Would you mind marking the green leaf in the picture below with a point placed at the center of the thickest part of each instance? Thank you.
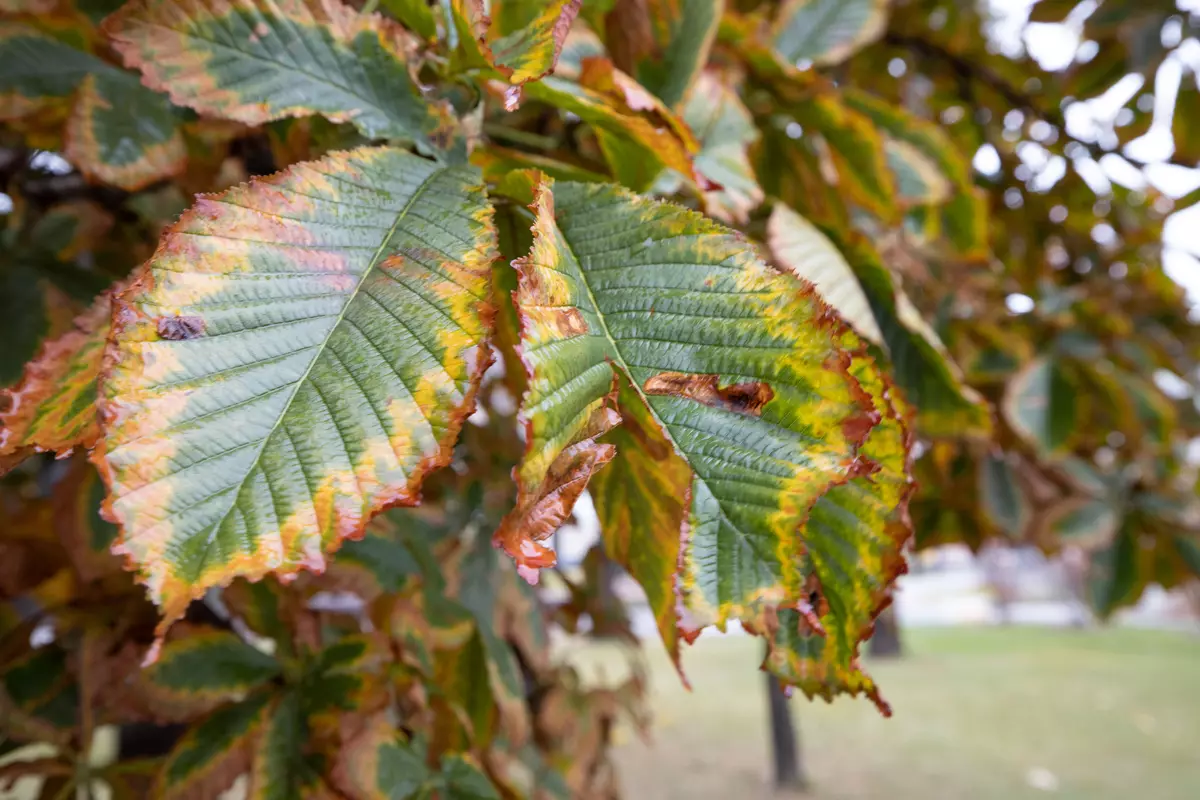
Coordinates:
(918, 180)
(121, 133)
(257, 61)
(963, 218)
(27, 81)
(823, 32)
(1087, 522)
(1113, 574)
(211, 663)
(24, 315)
(850, 271)
(1185, 122)
(725, 130)
(669, 42)
(1000, 495)
(462, 779)
(275, 771)
(747, 376)
(215, 751)
(856, 150)
(416, 15)
(300, 354)
(1040, 404)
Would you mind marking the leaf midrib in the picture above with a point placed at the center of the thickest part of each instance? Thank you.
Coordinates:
(746, 538)
(320, 350)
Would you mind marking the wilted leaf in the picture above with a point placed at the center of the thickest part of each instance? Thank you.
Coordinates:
(822, 32)
(800, 248)
(725, 130)
(300, 354)
(255, 61)
(638, 134)
(856, 149)
(124, 134)
(851, 271)
(214, 751)
(963, 218)
(522, 39)
(748, 376)
(664, 44)
(53, 408)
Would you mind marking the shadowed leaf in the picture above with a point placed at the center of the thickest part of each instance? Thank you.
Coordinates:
(851, 272)
(664, 43)
(214, 752)
(341, 309)
(725, 130)
(1040, 405)
(822, 32)
(121, 133)
(211, 663)
(53, 408)
(255, 60)
(27, 81)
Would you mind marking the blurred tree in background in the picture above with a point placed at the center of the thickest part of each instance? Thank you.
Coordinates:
(994, 353)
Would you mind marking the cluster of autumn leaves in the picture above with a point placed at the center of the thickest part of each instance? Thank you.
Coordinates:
(274, 368)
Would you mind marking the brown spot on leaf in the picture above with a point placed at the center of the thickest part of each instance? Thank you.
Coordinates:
(743, 398)
(178, 328)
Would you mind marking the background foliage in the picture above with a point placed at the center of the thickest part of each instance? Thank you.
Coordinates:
(936, 318)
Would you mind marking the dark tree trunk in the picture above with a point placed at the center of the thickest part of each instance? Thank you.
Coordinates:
(885, 642)
(785, 744)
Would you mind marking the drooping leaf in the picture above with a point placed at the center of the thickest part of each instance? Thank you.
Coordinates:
(300, 353)
(639, 136)
(850, 271)
(749, 378)
(725, 131)
(214, 752)
(1185, 121)
(254, 61)
(856, 150)
(122, 133)
(664, 44)
(963, 218)
(1113, 574)
(211, 663)
(1001, 496)
(861, 527)
(823, 32)
(918, 180)
(53, 408)
(1040, 404)
(799, 247)
(522, 39)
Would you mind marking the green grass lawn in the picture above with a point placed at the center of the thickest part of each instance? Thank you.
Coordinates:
(1110, 713)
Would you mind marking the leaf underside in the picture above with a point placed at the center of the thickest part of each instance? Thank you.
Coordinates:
(301, 352)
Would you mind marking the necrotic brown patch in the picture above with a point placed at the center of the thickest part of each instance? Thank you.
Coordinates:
(177, 328)
(743, 398)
